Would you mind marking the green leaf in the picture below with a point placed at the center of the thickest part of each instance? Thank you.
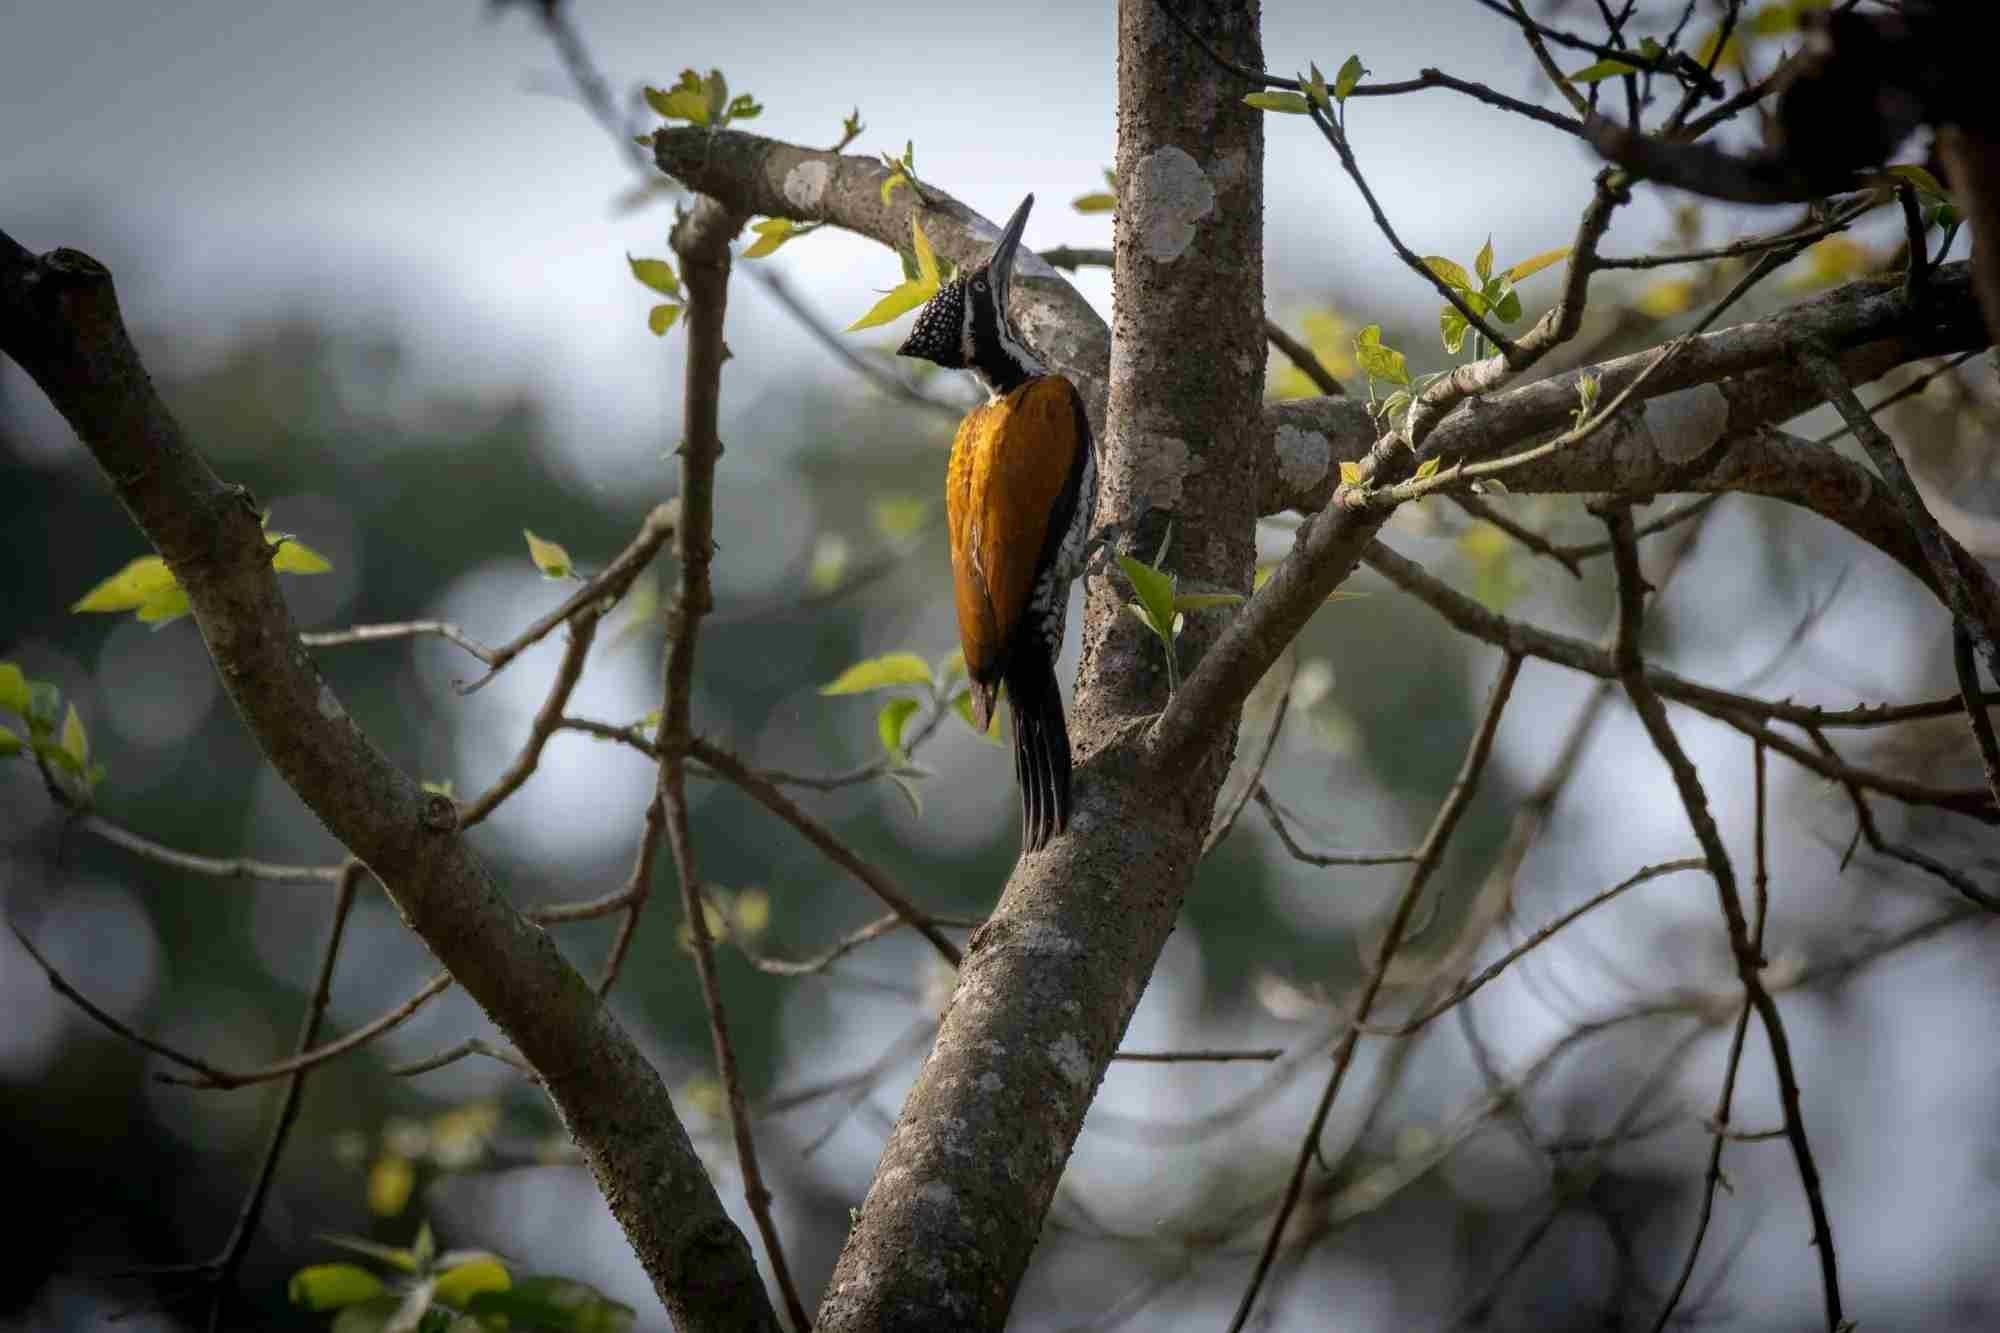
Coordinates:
(295, 557)
(333, 1286)
(687, 100)
(141, 581)
(900, 516)
(1293, 104)
(1349, 77)
(75, 743)
(889, 724)
(890, 182)
(549, 557)
(1603, 69)
(1098, 201)
(661, 318)
(457, 1286)
(1926, 183)
(899, 301)
(1155, 589)
(439, 787)
(1350, 473)
(169, 606)
(1428, 468)
(1452, 273)
(655, 273)
(879, 673)
(771, 233)
(424, 1248)
(961, 704)
(1382, 362)
(1315, 88)
(13, 689)
(553, 1303)
(717, 89)
(743, 107)
(1536, 263)
(10, 744)
(1503, 300)
(1452, 328)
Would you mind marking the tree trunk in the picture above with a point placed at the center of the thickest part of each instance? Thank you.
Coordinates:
(1050, 982)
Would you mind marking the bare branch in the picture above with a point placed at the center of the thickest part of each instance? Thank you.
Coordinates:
(221, 867)
(405, 629)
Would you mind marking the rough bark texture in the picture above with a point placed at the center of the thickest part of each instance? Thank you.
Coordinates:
(59, 319)
(1052, 979)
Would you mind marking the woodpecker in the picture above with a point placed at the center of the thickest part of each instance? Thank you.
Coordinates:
(1020, 494)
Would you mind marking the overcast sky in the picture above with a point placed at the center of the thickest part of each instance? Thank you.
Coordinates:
(418, 164)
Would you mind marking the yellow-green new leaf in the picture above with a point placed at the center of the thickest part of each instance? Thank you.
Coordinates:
(899, 301)
(295, 557)
(141, 581)
(771, 233)
(1603, 69)
(13, 689)
(1428, 468)
(889, 724)
(333, 1286)
(1350, 473)
(75, 743)
(169, 606)
(1450, 271)
(1536, 263)
(661, 318)
(549, 557)
(1349, 77)
(1293, 104)
(1482, 263)
(457, 1286)
(1156, 591)
(880, 673)
(1926, 183)
(1098, 201)
(962, 705)
(1383, 362)
(687, 100)
(1316, 89)
(657, 274)
(900, 516)
(10, 744)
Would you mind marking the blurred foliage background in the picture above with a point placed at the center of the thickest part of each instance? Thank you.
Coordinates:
(416, 478)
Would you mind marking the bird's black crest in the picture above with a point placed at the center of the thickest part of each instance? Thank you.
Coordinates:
(940, 329)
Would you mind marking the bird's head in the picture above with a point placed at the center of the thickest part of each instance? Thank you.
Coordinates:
(964, 326)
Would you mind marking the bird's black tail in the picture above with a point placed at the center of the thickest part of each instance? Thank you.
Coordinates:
(1041, 747)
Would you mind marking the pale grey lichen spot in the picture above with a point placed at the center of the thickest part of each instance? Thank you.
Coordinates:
(1303, 457)
(1169, 194)
(1066, 1053)
(1685, 423)
(329, 704)
(805, 184)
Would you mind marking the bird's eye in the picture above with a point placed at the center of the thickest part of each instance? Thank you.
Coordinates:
(979, 284)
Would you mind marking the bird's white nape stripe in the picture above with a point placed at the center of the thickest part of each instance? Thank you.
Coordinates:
(965, 347)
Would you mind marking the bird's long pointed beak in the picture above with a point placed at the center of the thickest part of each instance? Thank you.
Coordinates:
(1001, 266)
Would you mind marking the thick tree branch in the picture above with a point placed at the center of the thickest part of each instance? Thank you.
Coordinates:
(1050, 981)
(59, 320)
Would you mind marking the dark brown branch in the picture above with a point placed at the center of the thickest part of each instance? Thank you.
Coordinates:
(1743, 945)
(766, 793)
(1276, 818)
(59, 320)
(606, 588)
(582, 631)
(701, 238)
(1304, 358)
(1197, 1057)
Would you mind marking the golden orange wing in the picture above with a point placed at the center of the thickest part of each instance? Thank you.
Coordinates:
(1008, 466)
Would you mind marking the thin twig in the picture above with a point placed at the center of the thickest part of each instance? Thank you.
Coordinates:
(469, 1047)
(1304, 358)
(1254, 780)
(1197, 1057)
(1957, 594)
(766, 793)
(848, 943)
(1428, 856)
(701, 239)
(582, 631)
(1745, 948)
(1534, 541)
(221, 867)
(223, 1267)
(607, 587)
(1967, 671)
(1276, 817)
(406, 629)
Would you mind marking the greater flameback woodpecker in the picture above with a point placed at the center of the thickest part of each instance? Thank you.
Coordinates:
(1020, 495)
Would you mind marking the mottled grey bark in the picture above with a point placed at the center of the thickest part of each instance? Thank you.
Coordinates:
(1050, 982)
(59, 319)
